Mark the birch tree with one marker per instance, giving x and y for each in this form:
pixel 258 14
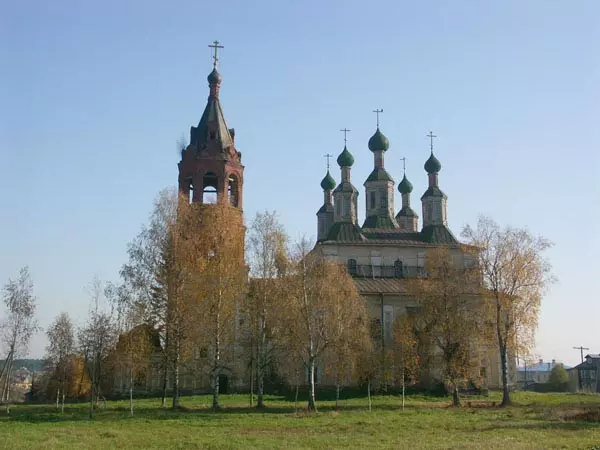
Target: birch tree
pixel 97 339
pixel 210 247
pixel 449 317
pixel 266 241
pixel 406 352
pixel 515 274
pixel 59 352
pixel 18 327
pixel 153 275
pixel 321 294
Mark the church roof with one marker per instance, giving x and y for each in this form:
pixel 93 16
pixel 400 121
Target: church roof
pixel 326 208
pixel 438 234
pixel 345 231
pixel 345 186
pixel 407 211
pixel 379 174
pixel 433 191
pixel 213 113
pixel 381 222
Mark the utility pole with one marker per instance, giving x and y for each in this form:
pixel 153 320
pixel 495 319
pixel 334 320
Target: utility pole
pixel 581 349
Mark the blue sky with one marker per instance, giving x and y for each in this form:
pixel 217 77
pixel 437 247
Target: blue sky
pixel 94 96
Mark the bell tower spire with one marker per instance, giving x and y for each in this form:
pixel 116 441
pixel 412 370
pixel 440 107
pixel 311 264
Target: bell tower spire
pixel 211 169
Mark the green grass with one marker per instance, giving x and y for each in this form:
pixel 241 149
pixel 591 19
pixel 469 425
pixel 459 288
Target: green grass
pixel 535 421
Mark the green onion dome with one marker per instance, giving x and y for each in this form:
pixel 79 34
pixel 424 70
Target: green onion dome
pixel 378 142
pixel 405 186
pixel 214 77
pixel 432 165
pixel 345 159
pixel 328 183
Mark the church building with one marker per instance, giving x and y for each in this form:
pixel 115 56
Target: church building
pixel 388 247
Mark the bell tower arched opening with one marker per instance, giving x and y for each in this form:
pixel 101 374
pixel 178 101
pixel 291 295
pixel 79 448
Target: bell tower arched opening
pixel 210 185
pixel 233 191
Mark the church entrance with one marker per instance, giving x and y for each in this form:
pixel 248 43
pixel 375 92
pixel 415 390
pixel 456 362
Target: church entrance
pixel 223 384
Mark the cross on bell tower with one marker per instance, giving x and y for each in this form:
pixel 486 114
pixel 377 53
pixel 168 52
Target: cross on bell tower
pixel 215 45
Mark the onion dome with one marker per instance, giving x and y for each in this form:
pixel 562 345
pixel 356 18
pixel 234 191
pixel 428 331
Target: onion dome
pixel 432 165
pixel 405 186
pixel 328 183
pixel 345 159
pixel 378 142
pixel 214 77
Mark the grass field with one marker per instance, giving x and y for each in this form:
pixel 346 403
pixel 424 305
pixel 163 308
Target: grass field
pixel 536 421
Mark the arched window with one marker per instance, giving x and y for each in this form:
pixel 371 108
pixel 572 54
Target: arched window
pixel 351 266
pixel 189 190
pixel 232 191
pixel 210 184
pixel 398 269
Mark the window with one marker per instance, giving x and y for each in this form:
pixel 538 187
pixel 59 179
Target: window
pixel 429 213
pixel 232 191
pixel 347 206
pixel 438 211
pixel 210 184
pixel 190 191
pixel 382 199
pixel 376 266
pixel 388 321
pixel 351 264
pixel 372 195
pixel 338 206
pixel 398 269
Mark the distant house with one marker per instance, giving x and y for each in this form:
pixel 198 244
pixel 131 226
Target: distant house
pixel 587 374
pixel 531 374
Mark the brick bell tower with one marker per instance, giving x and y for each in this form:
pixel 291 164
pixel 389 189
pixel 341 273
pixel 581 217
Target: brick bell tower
pixel 211 170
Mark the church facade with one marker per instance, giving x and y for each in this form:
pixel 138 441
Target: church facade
pixel 388 247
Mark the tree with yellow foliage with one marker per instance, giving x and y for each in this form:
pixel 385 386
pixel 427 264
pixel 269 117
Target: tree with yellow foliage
pixel 324 311
pixel 515 274
pixel 449 317
pixel 209 246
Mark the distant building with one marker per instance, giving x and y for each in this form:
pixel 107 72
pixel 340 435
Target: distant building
pixel 532 374
pixel 587 374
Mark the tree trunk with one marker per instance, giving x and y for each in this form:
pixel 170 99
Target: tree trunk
pixel 455 397
pixel 502 346
pixel 7 373
pixel 311 385
pixel 337 395
pixel 92 400
pixel 403 388
pixel 504 366
pixel 297 390
pixel 164 386
pixel 131 391
pixel 176 377
pixel 217 359
pixel 62 387
pixel 252 378
pixel 57 397
pixel 369 393
pixel 261 363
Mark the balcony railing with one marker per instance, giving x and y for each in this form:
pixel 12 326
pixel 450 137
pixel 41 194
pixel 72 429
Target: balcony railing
pixel 369 271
